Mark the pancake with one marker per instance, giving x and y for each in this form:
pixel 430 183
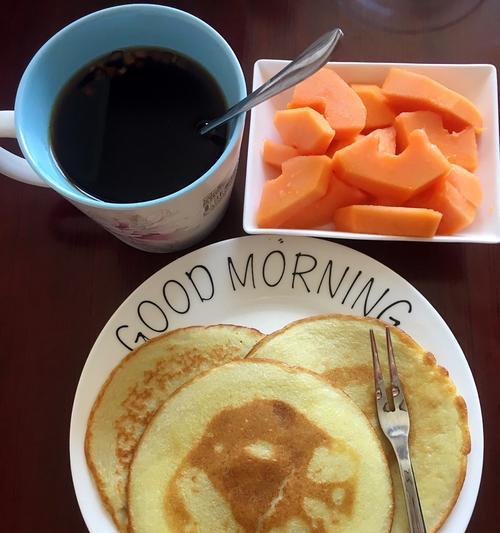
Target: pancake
pixel 257 446
pixel 338 348
pixel 143 380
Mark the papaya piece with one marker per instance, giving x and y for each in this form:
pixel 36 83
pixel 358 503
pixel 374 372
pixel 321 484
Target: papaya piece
pixel 304 180
pixel 319 213
pixel 337 144
pixel 326 92
pixel 383 220
pixel 386 139
pixel 457 212
pixel 467 184
pixel 459 147
pixel 379 113
pixel 393 177
pixel 408 91
pixel 305 129
pixel 275 153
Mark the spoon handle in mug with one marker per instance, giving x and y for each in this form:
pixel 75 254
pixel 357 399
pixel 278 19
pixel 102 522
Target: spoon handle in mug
pixel 306 64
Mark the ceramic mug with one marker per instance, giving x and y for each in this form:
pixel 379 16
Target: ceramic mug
pixel 165 224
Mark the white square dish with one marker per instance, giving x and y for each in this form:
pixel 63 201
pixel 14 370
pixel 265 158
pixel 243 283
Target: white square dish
pixel 476 82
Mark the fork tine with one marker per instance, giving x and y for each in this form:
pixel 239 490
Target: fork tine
pixel 396 388
pixel 380 393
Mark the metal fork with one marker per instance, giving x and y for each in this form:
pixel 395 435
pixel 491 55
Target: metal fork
pixel 396 426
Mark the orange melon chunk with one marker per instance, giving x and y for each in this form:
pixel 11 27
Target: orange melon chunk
pixel 319 213
pixel 276 153
pixel 337 144
pixel 457 212
pixel 326 92
pixel 467 184
pixel 305 129
pixel 383 220
pixel 379 114
pixel 304 180
pixel 394 177
pixel 458 147
pixel 386 139
pixel 409 91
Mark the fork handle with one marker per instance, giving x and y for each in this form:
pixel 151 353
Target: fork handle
pixel 415 516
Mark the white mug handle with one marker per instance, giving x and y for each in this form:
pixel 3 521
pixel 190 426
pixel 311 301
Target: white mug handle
pixel 10 164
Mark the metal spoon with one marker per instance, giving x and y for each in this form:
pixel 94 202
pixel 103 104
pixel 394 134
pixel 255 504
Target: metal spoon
pixel 307 63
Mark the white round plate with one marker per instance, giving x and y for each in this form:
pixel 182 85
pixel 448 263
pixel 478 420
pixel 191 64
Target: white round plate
pixel 266 282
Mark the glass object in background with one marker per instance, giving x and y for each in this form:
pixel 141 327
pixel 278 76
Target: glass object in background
pixel 410 16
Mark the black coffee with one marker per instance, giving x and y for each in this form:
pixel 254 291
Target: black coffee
pixel 124 128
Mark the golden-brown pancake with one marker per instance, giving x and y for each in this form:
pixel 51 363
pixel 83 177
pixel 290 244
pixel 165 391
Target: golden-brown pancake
pixel 338 348
pixel 258 446
pixel 143 380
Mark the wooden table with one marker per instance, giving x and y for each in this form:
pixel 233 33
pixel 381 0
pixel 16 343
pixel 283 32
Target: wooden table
pixel 62 276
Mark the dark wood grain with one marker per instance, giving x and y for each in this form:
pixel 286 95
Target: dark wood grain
pixel 61 275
